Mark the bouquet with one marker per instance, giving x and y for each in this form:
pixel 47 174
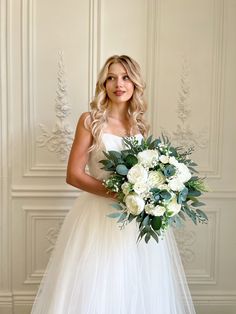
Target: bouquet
pixel 156 185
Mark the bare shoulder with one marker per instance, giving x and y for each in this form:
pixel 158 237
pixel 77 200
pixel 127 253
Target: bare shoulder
pixel 85 120
pixel 83 127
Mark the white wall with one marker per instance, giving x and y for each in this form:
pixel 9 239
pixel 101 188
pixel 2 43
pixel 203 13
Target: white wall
pixel 50 54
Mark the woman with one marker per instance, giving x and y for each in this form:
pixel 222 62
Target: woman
pixel 96 268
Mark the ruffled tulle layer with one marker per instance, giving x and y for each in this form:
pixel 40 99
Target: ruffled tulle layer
pixel 96 268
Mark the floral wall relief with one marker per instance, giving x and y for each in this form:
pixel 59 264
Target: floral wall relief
pixel 52 235
pixel 184 135
pixel 59 139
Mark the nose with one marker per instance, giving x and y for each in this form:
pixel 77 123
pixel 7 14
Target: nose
pixel 119 81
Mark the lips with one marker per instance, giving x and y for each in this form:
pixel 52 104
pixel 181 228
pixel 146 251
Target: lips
pixel 119 92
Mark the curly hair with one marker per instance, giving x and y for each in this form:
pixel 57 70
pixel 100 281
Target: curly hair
pixel 99 105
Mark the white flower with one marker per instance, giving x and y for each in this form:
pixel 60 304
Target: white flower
pixel 155 179
pixel 176 185
pixel 149 208
pixel 163 187
pixel 135 204
pixel 155 210
pixel 126 187
pixel 148 158
pixel 137 173
pixel 173 161
pixel 164 159
pixel 140 187
pixel 173 207
pixel 183 173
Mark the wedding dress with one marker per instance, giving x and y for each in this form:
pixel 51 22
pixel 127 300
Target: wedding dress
pixel 97 268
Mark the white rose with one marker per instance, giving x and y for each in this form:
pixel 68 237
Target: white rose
pixel 140 187
pixel 176 185
pixel 158 210
pixel 183 173
pixel 148 158
pixel 137 173
pixel 173 161
pixel 126 187
pixel 164 159
pixel 149 208
pixel 163 187
pixel 135 204
pixel 155 179
pixel 173 206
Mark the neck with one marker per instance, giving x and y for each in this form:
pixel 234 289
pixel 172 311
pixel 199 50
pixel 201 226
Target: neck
pixel 118 111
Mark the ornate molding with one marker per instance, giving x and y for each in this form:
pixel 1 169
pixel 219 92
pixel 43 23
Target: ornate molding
pixel 60 138
pixel 34 217
pixel 184 135
pixel 186 240
pixel 52 235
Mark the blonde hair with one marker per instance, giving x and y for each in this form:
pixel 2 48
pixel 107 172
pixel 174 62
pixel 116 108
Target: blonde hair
pixel 99 105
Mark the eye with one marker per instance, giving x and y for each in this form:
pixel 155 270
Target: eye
pixel 126 78
pixel 110 78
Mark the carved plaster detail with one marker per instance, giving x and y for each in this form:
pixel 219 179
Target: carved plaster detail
pixel 184 135
pixel 185 239
pixel 52 235
pixel 59 139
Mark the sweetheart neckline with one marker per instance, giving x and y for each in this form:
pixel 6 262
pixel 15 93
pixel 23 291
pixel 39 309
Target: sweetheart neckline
pixel 104 133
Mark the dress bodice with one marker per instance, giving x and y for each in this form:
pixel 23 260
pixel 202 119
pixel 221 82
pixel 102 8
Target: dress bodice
pixel 109 142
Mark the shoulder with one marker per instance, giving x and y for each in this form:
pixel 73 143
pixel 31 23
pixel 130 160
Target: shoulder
pixel 85 120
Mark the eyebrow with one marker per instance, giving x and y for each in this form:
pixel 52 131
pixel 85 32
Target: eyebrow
pixel 116 74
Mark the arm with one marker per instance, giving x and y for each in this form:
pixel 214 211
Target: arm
pixel 78 159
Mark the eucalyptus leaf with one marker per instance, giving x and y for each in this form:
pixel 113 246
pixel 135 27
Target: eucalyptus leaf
pixel 113 215
pixel 122 217
pixel 117 206
pixel 122 170
pixel 166 195
pixel 145 221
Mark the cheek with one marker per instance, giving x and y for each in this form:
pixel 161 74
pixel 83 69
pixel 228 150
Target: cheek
pixel 131 87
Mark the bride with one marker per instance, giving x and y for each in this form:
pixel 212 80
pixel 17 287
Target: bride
pixel 96 268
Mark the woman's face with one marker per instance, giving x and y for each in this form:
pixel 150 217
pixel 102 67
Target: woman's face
pixel 119 87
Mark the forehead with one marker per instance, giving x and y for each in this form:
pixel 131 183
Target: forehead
pixel 116 68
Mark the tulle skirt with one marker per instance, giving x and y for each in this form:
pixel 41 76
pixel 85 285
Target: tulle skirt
pixel 96 268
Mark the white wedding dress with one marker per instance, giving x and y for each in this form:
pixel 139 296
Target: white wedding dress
pixel 96 268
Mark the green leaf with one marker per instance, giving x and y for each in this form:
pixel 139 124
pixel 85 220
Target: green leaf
pixel 145 221
pixel 147 237
pixel 193 193
pixel 115 154
pixel 169 171
pixel 122 217
pixel 117 206
pixel 131 160
pixel 122 170
pixel 202 214
pixel 154 235
pixel 154 144
pixel 197 204
pixel 166 195
pixel 131 217
pixel 156 222
pixel 113 215
pixel 183 195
